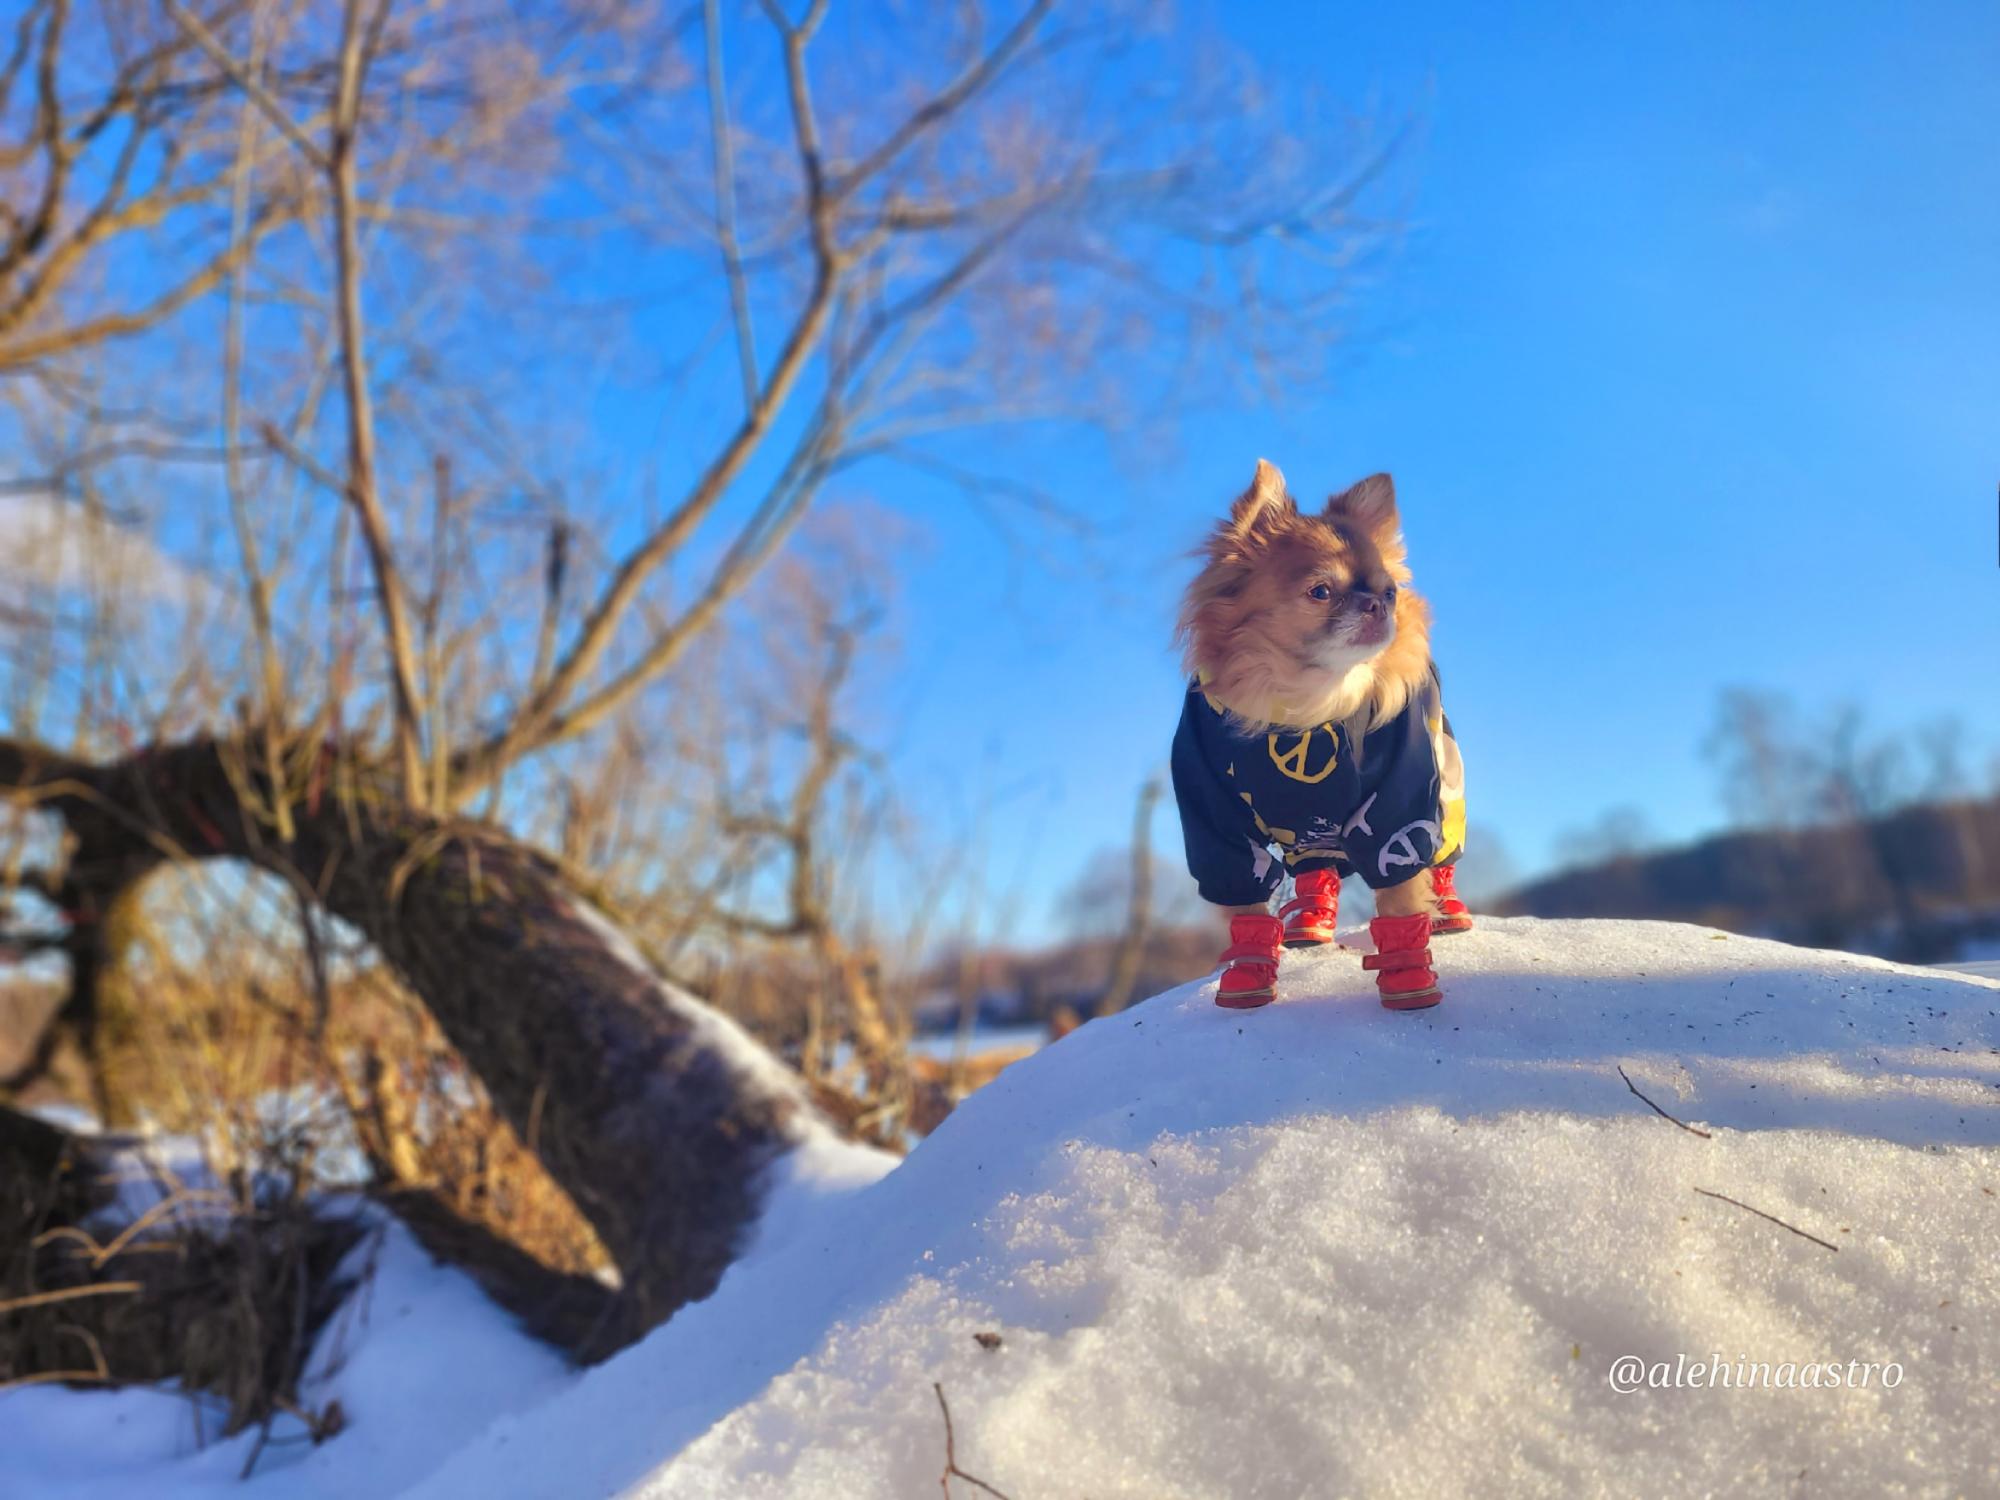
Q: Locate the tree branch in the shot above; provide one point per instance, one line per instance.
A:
(361, 474)
(722, 137)
(542, 719)
(967, 86)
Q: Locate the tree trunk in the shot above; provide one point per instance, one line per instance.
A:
(657, 1115)
(1139, 913)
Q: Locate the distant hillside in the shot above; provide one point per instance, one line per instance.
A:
(1918, 884)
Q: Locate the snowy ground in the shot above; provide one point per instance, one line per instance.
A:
(1314, 1249)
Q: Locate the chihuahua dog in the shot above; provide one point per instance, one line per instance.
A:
(1313, 739)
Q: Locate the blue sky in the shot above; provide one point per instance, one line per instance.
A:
(1688, 370)
(1689, 376)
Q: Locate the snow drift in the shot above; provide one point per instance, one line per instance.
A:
(1323, 1249)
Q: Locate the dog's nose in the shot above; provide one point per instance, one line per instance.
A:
(1372, 606)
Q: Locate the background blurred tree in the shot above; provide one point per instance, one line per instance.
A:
(1487, 869)
(1844, 781)
(1098, 901)
(1844, 836)
(1617, 833)
(1139, 917)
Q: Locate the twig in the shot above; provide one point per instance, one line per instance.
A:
(178, 1199)
(99, 1371)
(1691, 1130)
(951, 1467)
(254, 91)
(51, 1377)
(1772, 1217)
(68, 1294)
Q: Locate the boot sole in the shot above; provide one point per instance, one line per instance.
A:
(1421, 1000)
(1306, 942)
(1249, 1000)
(1451, 931)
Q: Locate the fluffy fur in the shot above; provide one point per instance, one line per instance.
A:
(1271, 652)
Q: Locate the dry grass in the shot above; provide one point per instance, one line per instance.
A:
(219, 1289)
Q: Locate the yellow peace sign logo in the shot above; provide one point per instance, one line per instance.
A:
(1294, 761)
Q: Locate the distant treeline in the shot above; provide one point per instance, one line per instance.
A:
(1918, 883)
(1013, 987)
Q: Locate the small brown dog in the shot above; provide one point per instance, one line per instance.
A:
(1314, 728)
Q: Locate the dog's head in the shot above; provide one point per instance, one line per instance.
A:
(1299, 617)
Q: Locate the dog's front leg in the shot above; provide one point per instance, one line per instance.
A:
(1402, 933)
(1250, 962)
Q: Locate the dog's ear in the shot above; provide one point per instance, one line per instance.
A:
(1264, 501)
(1369, 505)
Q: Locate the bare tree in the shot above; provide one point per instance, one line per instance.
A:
(988, 218)
(1753, 745)
(1618, 833)
(1487, 871)
(1139, 912)
(1864, 822)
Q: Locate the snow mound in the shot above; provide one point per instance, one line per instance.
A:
(1314, 1249)
(1322, 1248)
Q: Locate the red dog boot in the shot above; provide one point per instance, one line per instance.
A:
(1402, 961)
(1452, 914)
(1250, 962)
(1309, 915)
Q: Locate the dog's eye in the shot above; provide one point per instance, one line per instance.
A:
(1320, 591)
